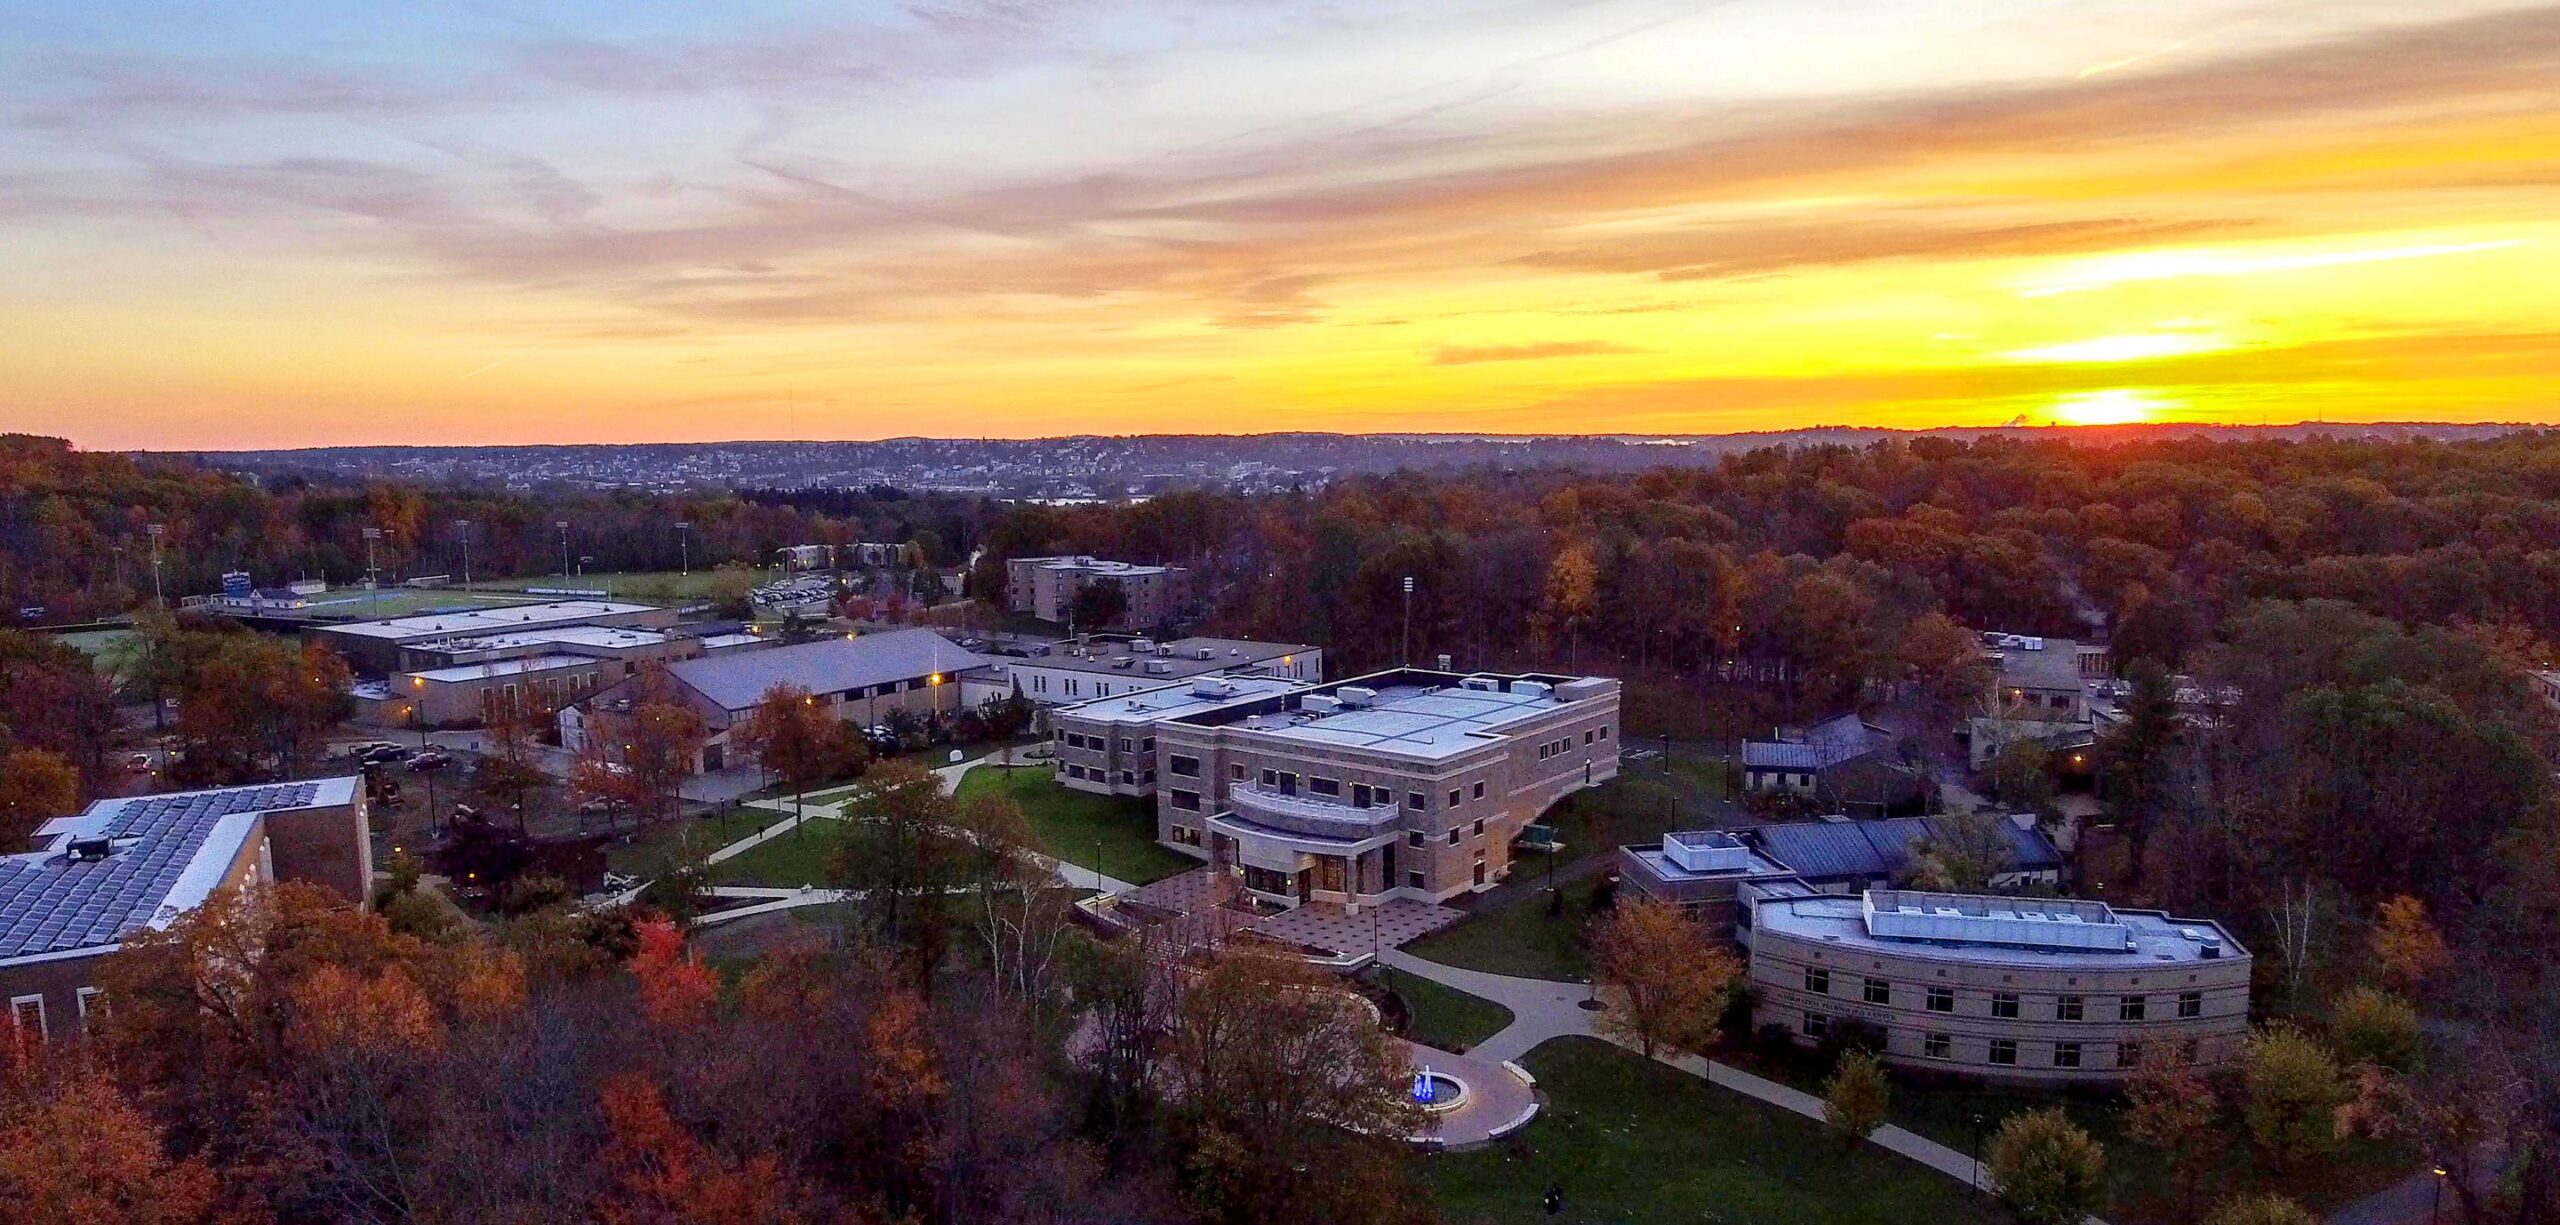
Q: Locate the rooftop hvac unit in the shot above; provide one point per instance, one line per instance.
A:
(1534, 689)
(1211, 687)
(1207, 653)
(1122, 661)
(1160, 667)
(1706, 851)
(1319, 704)
(1142, 646)
(1481, 684)
(91, 850)
(1355, 695)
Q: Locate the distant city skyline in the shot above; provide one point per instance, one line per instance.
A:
(304, 224)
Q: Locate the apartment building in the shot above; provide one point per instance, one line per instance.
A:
(1046, 587)
(1089, 667)
(138, 862)
(1408, 783)
(2043, 990)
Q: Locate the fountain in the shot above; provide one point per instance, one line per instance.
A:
(1437, 1092)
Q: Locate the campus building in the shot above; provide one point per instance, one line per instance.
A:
(448, 682)
(374, 647)
(1108, 745)
(2040, 690)
(1046, 587)
(859, 680)
(2047, 989)
(1090, 667)
(1408, 783)
(1702, 871)
(141, 861)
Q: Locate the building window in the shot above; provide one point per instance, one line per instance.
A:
(1415, 801)
(1604, 731)
(1479, 794)
(1359, 795)
(1183, 767)
(1817, 980)
(2128, 1054)
(26, 1013)
(1235, 770)
(1454, 832)
(2130, 1008)
(1879, 991)
(1186, 835)
(1936, 1046)
(1588, 735)
(1147, 745)
(92, 1002)
(1413, 838)
(2004, 1005)
(1270, 777)
(1453, 797)
(1816, 1025)
(2067, 1008)
(1413, 879)
(1187, 801)
(1324, 786)
(1942, 999)
(1479, 827)
(2066, 1054)
(2004, 1051)
(1127, 745)
(2190, 1004)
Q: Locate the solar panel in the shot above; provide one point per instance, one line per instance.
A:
(50, 903)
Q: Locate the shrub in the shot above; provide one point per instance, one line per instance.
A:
(2290, 1093)
(2046, 1168)
(1855, 1099)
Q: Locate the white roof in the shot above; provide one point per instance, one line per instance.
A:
(486, 620)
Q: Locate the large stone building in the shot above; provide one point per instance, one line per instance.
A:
(1997, 987)
(141, 861)
(1408, 783)
(1108, 745)
(446, 682)
(1703, 871)
(859, 680)
(1046, 587)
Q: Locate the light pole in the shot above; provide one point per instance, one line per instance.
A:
(1973, 1177)
(462, 533)
(563, 525)
(2435, 1212)
(372, 580)
(155, 531)
(684, 546)
(1407, 660)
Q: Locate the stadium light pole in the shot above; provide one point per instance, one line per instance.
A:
(462, 532)
(155, 531)
(563, 525)
(1408, 622)
(372, 580)
(684, 546)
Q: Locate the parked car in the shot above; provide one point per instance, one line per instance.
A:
(386, 754)
(138, 763)
(363, 749)
(431, 759)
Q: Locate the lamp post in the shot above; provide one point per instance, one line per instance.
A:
(563, 525)
(684, 546)
(2435, 1211)
(1973, 1177)
(462, 533)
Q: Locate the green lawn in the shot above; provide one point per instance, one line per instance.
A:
(1635, 807)
(651, 851)
(647, 586)
(1446, 1017)
(1630, 1140)
(786, 861)
(1074, 825)
(1520, 939)
(2141, 1185)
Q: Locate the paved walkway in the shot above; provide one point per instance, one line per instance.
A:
(1541, 1010)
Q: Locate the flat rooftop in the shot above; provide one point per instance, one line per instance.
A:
(2055, 666)
(1179, 658)
(170, 851)
(607, 637)
(1658, 861)
(1179, 700)
(1096, 565)
(487, 621)
(497, 668)
(1414, 713)
(1997, 930)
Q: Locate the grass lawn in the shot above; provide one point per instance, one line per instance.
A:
(1631, 1140)
(650, 850)
(666, 586)
(786, 861)
(1070, 824)
(1636, 807)
(1520, 939)
(2142, 1188)
(1446, 1017)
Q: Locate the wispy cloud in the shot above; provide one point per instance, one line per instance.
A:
(1468, 355)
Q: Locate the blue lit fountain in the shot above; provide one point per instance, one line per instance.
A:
(1437, 1092)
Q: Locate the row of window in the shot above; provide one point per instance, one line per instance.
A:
(1363, 795)
(1564, 745)
(2004, 1004)
(27, 1021)
(1078, 740)
(1417, 839)
(2004, 1051)
(1098, 774)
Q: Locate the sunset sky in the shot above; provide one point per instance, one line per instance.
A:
(277, 224)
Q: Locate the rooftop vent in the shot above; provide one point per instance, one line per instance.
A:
(1319, 704)
(1122, 661)
(1142, 646)
(1481, 684)
(1357, 696)
(1706, 851)
(91, 850)
(1535, 689)
(1212, 687)
(1206, 653)
(1160, 667)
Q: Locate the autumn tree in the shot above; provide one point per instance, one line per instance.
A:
(899, 852)
(676, 989)
(1962, 853)
(2290, 1092)
(2046, 1169)
(2170, 1108)
(36, 785)
(662, 1174)
(2136, 762)
(2369, 1026)
(1098, 605)
(74, 1151)
(789, 734)
(1855, 1098)
(1667, 978)
(1289, 1100)
(2406, 946)
(1572, 597)
(639, 758)
(2022, 774)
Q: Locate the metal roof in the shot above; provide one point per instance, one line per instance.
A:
(170, 850)
(471, 622)
(1858, 850)
(735, 680)
(1825, 744)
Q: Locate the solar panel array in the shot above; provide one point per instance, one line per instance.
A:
(52, 903)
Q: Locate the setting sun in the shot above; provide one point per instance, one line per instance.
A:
(2114, 406)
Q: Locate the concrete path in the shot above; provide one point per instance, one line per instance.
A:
(1541, 1009)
